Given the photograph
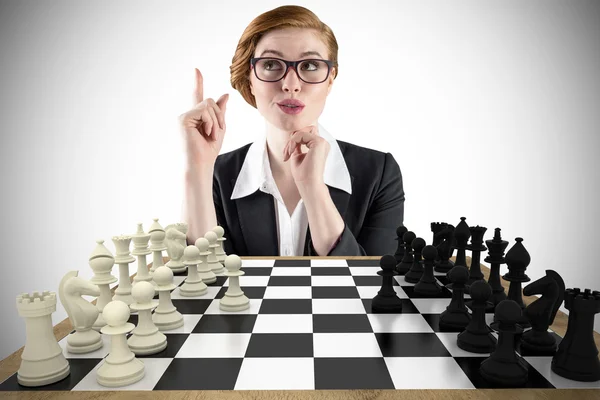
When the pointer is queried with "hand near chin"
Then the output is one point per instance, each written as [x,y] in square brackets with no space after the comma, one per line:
[307,168]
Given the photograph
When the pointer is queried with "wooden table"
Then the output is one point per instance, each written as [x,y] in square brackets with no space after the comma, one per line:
[11,364]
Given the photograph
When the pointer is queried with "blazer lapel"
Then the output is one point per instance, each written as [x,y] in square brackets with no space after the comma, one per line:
[256,214]
[340,199]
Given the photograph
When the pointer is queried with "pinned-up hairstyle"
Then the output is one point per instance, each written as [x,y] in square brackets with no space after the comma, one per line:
[278,18]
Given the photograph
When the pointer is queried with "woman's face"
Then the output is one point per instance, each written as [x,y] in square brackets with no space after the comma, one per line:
[290,44]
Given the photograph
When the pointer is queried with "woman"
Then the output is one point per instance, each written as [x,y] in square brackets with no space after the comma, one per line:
[298,191]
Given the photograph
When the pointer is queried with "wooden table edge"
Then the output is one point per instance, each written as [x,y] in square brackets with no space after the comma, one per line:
[11,364]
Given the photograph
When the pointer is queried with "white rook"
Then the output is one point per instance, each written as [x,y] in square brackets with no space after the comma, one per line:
[42,360]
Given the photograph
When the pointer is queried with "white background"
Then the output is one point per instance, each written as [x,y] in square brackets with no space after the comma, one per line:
[490,109]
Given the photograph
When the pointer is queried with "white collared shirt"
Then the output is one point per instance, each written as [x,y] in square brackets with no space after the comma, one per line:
[256,174]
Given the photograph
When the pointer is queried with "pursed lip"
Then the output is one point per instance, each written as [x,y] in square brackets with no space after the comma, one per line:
[291,102]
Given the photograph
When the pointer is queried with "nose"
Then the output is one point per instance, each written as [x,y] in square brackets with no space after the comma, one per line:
[291,81]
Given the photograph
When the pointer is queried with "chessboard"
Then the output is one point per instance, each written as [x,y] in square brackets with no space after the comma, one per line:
[309,327]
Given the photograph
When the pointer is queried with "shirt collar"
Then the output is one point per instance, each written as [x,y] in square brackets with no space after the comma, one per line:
[256,170]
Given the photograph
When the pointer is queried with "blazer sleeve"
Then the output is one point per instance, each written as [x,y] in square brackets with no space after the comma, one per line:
[228,245]
[378,232]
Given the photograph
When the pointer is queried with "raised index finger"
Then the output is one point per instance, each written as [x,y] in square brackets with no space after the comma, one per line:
[199,90]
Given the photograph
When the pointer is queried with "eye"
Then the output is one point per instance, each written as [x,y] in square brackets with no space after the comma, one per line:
[313,65]
[271,65]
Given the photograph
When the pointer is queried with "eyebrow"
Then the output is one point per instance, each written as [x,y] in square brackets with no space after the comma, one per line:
[280,54]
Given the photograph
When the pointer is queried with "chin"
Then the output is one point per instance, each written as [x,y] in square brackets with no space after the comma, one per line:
[291,124]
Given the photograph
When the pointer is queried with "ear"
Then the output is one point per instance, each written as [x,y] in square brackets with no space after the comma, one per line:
[330,85]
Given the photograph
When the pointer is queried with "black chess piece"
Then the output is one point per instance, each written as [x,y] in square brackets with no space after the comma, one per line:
[476,247]
[577,354]
[517,259]
[416,269]
[456,316]
[445,249]
[428,285]
[541,313]
[477,337]
[387,300]
[495,257]
[404,265]
[437,227]
[462,233]
[504,366]
[399,254]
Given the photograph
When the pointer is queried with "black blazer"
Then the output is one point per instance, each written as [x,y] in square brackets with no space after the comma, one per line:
[371,214]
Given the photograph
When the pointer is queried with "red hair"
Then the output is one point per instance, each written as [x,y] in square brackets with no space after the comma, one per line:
[278,18]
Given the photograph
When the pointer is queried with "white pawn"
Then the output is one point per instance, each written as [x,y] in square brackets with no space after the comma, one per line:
[203,268]
[215,266]
[81,312]
[120,367]
[193,285]
[234,299]
[166,316]
[146,338]
[220,252]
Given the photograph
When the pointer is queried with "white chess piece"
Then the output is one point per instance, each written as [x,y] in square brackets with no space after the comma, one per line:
[183,228]
[157,238]
[120,367]
[140,243]
[81,312]
[123,258]
[42,360]
[214,264]
[234,299]
[220,251]
[101,262]
[193,285]
[166,316]
[146,338]
[203,268]
[175,249]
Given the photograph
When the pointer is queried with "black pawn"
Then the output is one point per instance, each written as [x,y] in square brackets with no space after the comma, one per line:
[387,300]
[428,285]
[577,354]
[404,265]
[399,254]
[477,337]
[541,313]
[416,269]
[476,247]
[504,366]
[517,260]
[495,257]
[445,249]
[456,316]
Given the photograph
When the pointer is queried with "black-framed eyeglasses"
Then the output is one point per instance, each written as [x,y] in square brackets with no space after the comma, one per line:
[270,69]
